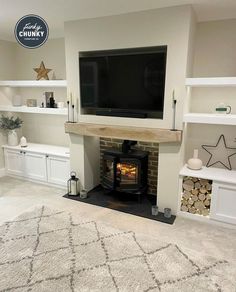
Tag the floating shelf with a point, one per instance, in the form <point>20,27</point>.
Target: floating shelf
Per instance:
<point>211,82</point>
<point>33,83</point>
<point>216,119</point>
<point>34,110</point>
<point>212,173</point>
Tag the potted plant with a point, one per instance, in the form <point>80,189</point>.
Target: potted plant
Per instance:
<point>10,124</point>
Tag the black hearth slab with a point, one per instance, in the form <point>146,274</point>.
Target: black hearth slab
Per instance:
<point>123,202</point>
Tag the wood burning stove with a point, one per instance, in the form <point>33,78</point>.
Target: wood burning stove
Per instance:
<point>125,172</point>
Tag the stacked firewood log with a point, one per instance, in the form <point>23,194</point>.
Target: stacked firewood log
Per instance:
<point>196,196</point>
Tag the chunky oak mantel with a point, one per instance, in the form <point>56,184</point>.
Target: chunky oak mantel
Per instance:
<point>124,132</point>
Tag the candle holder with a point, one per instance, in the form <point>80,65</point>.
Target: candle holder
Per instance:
<point>73,184</point>
<point>174,102</point>
<point>154,210</point>
<point>73,113</point>
<point>68,111</point>
<point>83,194</point>
<point>167,212</point>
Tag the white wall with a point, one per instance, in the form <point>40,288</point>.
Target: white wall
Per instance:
<point>149,28</point>
<point>17,62</point>
<point>7,59</point>
<point>215,47</point>
<point>48,129</point>
<point>169,27</point>
<point>7,71</point>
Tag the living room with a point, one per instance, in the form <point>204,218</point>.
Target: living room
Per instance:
<point>112,239</point>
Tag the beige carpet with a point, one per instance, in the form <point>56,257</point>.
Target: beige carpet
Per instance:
<point>46,250</point>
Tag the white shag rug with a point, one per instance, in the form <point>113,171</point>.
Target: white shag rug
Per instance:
<point>46,250</point>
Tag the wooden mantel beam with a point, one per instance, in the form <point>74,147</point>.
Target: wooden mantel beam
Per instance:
<point>124,132</point>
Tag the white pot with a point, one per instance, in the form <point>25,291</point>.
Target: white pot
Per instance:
<point>195,163</point>
<point>12,139</point>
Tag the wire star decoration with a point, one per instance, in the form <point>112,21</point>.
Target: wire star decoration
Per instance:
<point>42,72</point>
<point>220,153</point>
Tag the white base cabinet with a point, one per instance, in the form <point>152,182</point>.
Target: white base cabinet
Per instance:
<point>42,163</point>
<point>14,162</point>
<point>223,194</point>
<point>223,204</point>
<point>57,170</point>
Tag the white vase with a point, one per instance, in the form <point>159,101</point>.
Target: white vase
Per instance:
<point>12,139</point>
<point>195,163</point>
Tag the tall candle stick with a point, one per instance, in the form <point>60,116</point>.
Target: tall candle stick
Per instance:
<point>75,103</point>
<point>174,101</point>
<point>73,118</point>
<point>71,98</point>
<point>68,109</point>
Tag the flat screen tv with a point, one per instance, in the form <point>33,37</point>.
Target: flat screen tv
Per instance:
<point>125,82</point>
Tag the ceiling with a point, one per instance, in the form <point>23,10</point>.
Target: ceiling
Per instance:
<point>56,12</point>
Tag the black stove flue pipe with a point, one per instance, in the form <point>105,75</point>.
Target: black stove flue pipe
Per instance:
<point>126,145</point>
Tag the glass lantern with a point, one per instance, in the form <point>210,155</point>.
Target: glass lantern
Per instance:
<point>73,185</point>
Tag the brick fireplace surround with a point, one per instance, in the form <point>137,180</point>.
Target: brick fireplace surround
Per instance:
<point>163,144</point>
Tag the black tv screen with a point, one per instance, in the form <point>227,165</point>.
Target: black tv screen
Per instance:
<point>124,81</point>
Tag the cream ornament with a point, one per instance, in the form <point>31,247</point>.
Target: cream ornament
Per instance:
<point>23,142</point>
<point>195,163</point>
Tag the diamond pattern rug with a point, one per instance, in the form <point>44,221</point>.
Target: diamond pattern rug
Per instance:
<point>47,250</point>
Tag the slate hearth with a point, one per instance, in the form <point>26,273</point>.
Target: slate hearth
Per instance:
<point>123,202</point>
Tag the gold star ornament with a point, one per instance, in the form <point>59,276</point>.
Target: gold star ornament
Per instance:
<point>42,72</point>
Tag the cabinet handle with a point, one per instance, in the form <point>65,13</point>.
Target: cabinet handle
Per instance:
<point>46,156</point>
<point>21,152</point>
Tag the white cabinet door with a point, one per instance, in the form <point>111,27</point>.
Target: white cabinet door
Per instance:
<point>223,204</point>
<point>35,166</point>
<point>14,161</point>
<point>58,170</point>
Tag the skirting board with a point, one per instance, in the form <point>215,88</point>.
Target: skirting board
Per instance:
<point>2,172</point>
<point>36,181</point>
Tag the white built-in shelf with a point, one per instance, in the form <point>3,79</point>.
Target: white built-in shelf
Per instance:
<point>211,82</point>
<point>216,119</point>
<point>212,173</point>
<point>33,83</point>
<point>34,110</point>
<point>43,149</point>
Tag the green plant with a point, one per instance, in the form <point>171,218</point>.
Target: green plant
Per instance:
<point>10,123</point>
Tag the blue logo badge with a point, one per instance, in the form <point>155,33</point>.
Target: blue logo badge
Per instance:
<point>31,31</point>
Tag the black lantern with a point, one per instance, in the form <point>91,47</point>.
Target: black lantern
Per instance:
<point>73,184</point>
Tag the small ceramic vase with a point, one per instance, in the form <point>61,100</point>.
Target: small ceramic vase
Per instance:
<point>195,163</point>
<point>12,139</point>
<point>23,142</point>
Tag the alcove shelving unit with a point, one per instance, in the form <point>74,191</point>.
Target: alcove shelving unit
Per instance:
<point>47,164</point>
<point>223,193</point>
<point>211,82</point>
<point>34,84</point>
<point>212,173</point>
<point>33,110</point>
<point>214,119</point>
<point>210,118</point>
